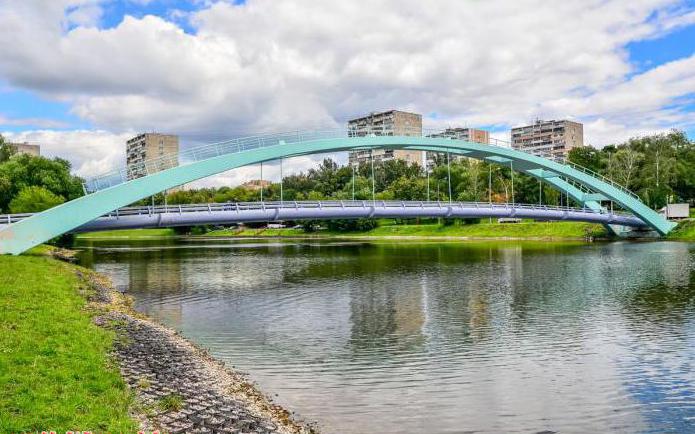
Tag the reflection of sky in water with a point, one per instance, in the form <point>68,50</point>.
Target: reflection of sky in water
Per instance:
<point>438,337</point>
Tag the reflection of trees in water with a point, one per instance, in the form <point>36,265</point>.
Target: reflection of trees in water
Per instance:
<point>666,290</point>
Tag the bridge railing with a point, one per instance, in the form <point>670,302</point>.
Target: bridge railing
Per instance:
<point>601,177</point>
<point>202,152</point>
<point>250,206</point>
<point>7,219</point>
<point>241,144</point>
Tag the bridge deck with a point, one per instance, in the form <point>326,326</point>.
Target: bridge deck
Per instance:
<point>228,213</point>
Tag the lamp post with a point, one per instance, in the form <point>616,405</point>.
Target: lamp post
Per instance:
<point>261,182</point>
<point>371,161</point>
<point>448,171</point>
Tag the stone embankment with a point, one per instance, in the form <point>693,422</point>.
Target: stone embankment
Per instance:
<point>179,388</point>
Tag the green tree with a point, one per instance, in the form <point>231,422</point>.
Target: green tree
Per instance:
<point>34,199</point>
<point>587,156</point>
<point>6,151</point>
<point>625,166</point>
<point>26,171</point>
<point>405,188</point>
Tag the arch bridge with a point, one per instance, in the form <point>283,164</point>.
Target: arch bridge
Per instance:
<point>110,192</point>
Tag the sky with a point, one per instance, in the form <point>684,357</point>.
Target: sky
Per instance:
<point>79,77</point>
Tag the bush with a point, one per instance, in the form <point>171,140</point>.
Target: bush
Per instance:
<point>360,225</point>
<point>34,199</point>
<point>309,226</point>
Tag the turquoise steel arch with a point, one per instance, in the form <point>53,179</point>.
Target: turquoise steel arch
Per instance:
<point>19,237</point>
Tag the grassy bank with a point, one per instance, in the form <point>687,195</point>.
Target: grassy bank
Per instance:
<point>55,372</point>
<point>685,231</point>
<point>129,234</point>
<point>529,230</point>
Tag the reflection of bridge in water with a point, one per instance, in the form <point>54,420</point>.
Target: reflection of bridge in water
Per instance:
<point>110,192</point>
<point>227,213</point>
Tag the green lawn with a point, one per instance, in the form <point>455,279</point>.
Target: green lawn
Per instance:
<point>493,230</point>
<point>684,231</point>
<point>558,230</point>
<point>55,372</point>
<point>248,232</point>
<point>129,233</point>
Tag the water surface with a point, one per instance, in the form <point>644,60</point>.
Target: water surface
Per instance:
<point>436,337</point>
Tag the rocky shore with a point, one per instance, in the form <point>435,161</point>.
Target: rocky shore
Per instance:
<point>178,387</point>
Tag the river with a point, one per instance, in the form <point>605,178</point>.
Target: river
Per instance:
<point>441,337</point>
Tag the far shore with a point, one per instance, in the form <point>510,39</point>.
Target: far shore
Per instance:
<point>525,231</point>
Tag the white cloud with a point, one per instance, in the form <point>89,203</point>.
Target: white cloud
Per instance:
<point>277,65</point>
<point>90,152</point>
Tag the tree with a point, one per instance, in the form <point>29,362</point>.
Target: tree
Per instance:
<point>34,199</point>
<point>586,156</point>
<point>626,165</point>
<point>6,151</point>
<point>26,171</point>
<point>409,189</point>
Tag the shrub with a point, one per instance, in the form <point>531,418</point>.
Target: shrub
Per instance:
<point>34,199</point>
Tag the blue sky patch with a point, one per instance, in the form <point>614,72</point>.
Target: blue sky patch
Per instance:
<point>649,53</point>
<point>26,110</point>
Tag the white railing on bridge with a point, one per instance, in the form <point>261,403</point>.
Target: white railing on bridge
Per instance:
<point>240,144</point>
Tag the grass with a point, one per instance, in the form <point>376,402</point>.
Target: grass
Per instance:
<point>129,234</point>
<point>684,231</point>
<point>493,230</point>
<point>55,372</point>
<point>532,230</point>
<point>250,232</point>
<point>171,402</point>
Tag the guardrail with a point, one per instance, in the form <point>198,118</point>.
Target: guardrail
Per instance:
<point>245,206</point>
<point>601,177</point>
<point>240,144</point>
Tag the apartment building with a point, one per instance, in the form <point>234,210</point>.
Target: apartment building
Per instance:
<point>459,133</point>
<point>468,134</point>
<point>388,123</point>
<point>162,148</point>
<point>26,148</point>
<point>553,139</point>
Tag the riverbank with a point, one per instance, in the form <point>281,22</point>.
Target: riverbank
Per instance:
<point>500,231</point>
<point>685,231</point>
<point>130,234</point>
<point>533,231</point>
<point>56,373</point>
<point>66,333</point>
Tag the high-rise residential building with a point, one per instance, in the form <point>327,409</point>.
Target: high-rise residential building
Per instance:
<point>459,133</point>
<point>468,134</point>
<point>552,139</point>
<point>26,148</point>
<point>163,149</point>
<point>389,123</point>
